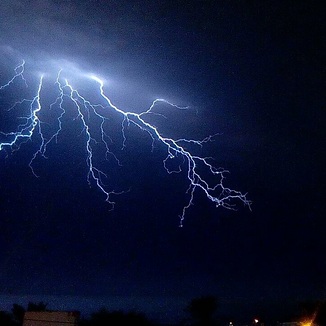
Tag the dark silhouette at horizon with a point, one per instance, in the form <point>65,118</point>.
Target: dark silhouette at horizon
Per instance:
<point>202,311</point>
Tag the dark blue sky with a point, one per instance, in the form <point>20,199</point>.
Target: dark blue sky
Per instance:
<point>251,71</point>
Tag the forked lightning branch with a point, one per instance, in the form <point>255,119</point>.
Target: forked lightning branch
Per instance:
<point>29,125</point>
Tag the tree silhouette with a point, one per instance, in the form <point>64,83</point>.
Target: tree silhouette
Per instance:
<point>202,310</point>
<point>18,312</point>
<point>6,319</point>
<point>41,306</point>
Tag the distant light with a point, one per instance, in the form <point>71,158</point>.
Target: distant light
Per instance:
<point>306,323</point>
<point>256,321</point>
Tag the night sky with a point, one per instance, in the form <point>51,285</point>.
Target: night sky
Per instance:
<point>252,72</point>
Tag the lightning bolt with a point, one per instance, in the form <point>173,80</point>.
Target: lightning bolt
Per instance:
<point>200,173</point>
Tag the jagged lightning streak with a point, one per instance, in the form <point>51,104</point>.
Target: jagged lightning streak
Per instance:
<point>194,166</point>
<point>19,73</point>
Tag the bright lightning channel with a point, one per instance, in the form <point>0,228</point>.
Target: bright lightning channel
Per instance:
<point>194,166</point>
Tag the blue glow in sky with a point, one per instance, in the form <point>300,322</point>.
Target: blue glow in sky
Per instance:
<point>248,73</point>
<point>200,172</point>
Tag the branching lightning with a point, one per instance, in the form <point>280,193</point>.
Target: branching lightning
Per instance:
<point>67,96</point>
